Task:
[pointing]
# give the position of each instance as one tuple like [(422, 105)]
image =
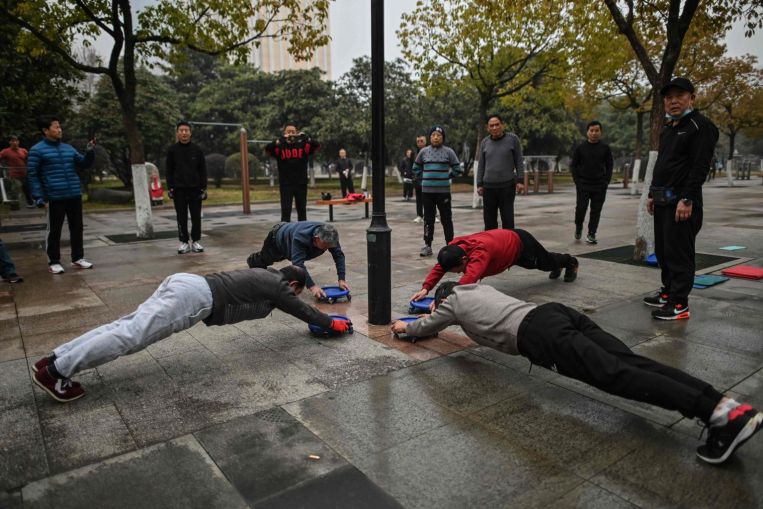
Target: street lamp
[(378, 234)]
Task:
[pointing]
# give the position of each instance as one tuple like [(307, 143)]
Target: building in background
[(272, 55)]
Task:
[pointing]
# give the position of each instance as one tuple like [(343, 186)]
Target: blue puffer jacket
[(51, 173)]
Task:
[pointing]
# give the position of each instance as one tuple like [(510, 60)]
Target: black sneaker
[(657, 300), (672, 311), (591, 238), (578, 233), (722, 441), (571, 272), (554, 274)]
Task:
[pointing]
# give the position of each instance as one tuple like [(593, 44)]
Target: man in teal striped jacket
[(436, 164)]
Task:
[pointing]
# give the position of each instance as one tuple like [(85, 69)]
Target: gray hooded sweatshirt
[(487, 316)]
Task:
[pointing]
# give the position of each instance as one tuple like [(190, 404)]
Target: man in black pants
[(561, 339), (53, 178), (488, 253), (293, 151), (591, 169), (187, 184), (500, 174), (344, 169), (437, 165), (687, 144)]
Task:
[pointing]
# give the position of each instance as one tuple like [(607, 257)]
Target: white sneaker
[(197, 248), (184, 248), (82, 264), (56, 268), (418, 219)]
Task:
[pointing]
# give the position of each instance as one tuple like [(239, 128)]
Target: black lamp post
[(378, 235)]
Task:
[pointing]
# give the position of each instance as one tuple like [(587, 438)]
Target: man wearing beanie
[(436, 164)]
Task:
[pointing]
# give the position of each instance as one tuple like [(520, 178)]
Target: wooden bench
[(342, 201)]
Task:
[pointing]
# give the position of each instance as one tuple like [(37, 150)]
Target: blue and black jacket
[(51, 170)]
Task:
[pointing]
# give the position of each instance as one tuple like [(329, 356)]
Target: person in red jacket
[(491, 252)]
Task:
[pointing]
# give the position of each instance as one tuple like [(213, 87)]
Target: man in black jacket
[(591, 170), (181, 301), (293, 151), (187, 184), (343, 167), (687, 143)]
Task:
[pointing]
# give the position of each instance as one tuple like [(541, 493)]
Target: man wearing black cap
[(436, 164), (687, 144)]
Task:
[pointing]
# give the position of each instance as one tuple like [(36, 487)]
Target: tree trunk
[(644, 222), (639, 133), (143, 215), (476, 198), (732, 139)]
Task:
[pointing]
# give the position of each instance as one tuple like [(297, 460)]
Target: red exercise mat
[(745, 271)]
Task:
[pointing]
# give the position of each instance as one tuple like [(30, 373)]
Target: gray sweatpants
[(181, 301)]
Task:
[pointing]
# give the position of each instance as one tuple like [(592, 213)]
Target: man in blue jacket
[(53, 179), (299, 242)]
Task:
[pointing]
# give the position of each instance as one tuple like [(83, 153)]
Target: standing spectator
[(405, 167), (421, 142), (591, 169), (687, 143), (187, 184), (15, 157), (292, 151), (53, 178), (436, 165), (7, 268), (500, 170), (344, 169)]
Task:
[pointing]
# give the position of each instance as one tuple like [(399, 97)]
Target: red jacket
[(488, 253)]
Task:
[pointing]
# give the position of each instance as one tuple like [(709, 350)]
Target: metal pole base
[(379, 242)]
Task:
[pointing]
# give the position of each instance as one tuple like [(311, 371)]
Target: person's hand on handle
[(399, 327), (317, 292), (420, 294)]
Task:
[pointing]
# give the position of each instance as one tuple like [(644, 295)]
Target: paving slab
[(370, 416), (664, 472), (343, 488), (444, 468), (267, 453), (22, 450), (178, 473)]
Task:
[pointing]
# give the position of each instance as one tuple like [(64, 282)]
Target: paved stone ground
[(227, 416)]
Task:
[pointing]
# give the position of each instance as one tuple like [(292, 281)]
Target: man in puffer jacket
[(53, 178)]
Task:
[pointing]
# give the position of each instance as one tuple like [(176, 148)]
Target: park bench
[(342, 201)]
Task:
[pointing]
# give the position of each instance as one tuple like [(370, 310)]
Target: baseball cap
[(681, 83)]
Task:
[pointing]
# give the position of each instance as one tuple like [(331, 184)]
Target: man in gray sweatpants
[(559, 338), (180, 302)]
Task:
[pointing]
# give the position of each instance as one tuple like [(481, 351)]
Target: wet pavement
[(231, 416)]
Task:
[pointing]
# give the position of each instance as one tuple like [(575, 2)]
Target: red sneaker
[(60, 389), (42, 363)]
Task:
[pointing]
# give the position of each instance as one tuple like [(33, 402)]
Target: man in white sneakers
[(53, 178)]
